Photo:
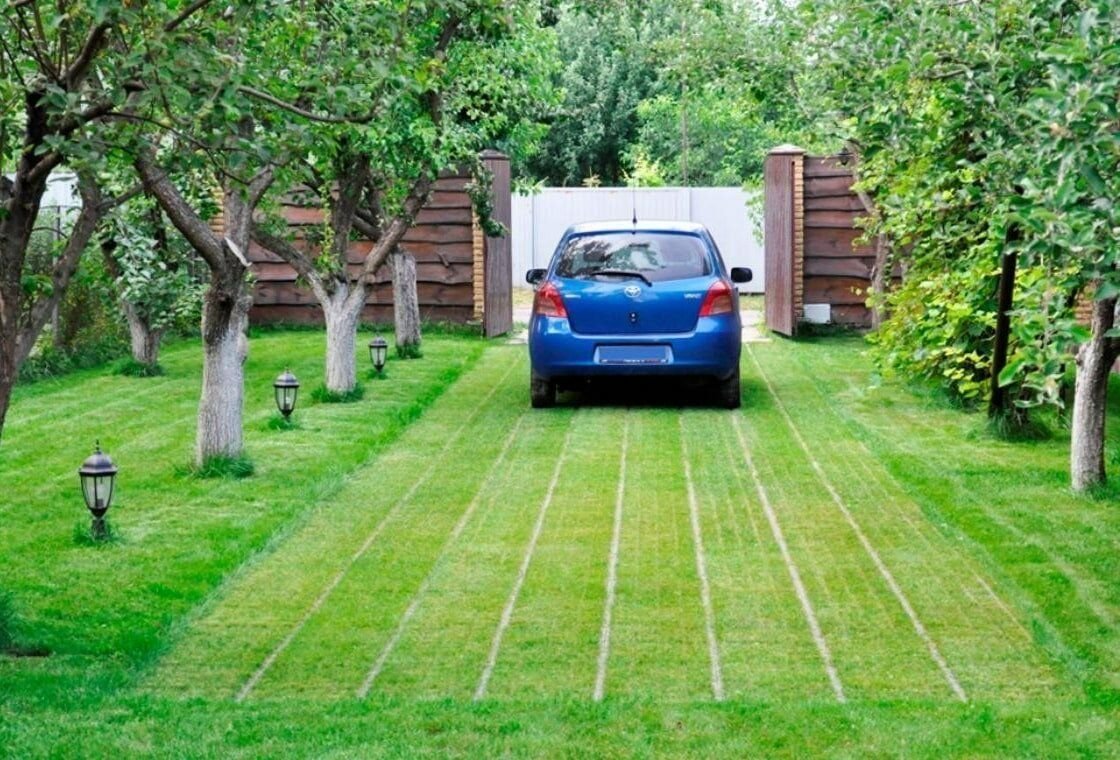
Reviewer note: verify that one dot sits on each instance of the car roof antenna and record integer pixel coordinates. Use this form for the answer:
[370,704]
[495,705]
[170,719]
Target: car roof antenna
[634,206]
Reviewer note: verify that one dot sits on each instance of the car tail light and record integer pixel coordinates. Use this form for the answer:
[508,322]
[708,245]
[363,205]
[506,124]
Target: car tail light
[718,300]
[549,303]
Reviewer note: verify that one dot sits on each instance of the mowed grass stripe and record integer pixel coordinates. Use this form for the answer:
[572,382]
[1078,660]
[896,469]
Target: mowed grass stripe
[612,569]
[435,467]
[770,642]
[258,607]
[880,565]
[871,641]
[331,656]
[552,642]
[946,588]
[422,591]
[446,645]
[702,571]
[658,646]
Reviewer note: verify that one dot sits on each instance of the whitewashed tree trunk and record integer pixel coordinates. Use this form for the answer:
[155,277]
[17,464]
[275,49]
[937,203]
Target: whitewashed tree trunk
[225,349]
[342,331]
[406,305]
[145,339]
[1090,397]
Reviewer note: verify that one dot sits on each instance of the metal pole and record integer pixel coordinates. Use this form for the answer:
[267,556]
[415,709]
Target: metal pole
[998,403]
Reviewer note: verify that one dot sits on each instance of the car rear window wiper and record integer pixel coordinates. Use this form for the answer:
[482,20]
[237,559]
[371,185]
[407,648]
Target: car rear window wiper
[623,273]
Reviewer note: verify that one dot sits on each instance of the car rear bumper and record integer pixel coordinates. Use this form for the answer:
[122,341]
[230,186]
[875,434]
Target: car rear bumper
[711,350]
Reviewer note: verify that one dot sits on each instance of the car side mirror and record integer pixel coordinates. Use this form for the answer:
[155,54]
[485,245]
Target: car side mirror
[741,274]
[534,276]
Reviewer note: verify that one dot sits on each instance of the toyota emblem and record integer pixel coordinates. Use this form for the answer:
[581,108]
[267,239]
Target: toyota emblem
[633,291]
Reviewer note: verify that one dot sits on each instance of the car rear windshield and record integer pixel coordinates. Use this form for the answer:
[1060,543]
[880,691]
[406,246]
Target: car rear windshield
[656,256]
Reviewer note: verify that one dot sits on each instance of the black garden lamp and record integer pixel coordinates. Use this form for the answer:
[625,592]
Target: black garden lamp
[287,388]
[97,475]
[844,156]
[377,350]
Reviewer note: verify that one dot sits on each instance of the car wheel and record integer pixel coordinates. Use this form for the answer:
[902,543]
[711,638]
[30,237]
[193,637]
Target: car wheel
[727,391]
[542,392]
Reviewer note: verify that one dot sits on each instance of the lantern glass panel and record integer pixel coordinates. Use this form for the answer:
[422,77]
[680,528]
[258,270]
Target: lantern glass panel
[98,491]
[286,399]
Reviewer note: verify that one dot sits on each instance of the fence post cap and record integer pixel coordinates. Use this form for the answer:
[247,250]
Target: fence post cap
[786,149]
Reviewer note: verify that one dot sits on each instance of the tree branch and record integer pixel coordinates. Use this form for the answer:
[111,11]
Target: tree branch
[194,228]
[76,72]
[253,92]
[66,264]
[298,260]
[396,229]
[187,12]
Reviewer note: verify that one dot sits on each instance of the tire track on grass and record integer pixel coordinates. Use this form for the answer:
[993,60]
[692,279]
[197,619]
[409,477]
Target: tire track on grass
[612,568]
[422,591]
[884,571]
[791,567]
[507,613]
[702,572]
[327,590]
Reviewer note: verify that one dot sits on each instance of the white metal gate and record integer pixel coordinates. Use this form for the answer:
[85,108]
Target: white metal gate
[729,212]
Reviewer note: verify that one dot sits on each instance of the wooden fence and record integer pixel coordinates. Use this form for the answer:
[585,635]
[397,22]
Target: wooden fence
[814,270]
[462,275]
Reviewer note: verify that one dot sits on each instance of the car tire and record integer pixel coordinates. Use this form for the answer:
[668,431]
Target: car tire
[727,391]
[542,392]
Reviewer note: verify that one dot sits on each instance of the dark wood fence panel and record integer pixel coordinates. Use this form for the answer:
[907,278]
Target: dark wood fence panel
[442,242]
[778,231]
[837,271]
[497,299]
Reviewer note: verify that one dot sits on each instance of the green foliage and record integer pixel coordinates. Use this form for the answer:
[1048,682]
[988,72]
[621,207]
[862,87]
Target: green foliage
[84,536]
[129,367]
[221,467]
[321,394]
[973,122]
[154,269]
[279,422]
[608,69]
[409,351]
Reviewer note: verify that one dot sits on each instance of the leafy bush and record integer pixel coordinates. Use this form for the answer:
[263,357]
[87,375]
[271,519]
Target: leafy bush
[234,468]
[324,396]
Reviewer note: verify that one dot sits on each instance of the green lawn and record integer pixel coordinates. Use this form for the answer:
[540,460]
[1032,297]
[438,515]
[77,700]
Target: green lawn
[437,569]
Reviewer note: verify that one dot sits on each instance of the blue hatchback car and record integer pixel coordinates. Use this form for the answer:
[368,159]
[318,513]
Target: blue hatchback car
[635,298]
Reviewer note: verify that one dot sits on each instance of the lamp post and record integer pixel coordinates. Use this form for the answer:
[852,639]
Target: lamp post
[286,388]
[377,349]
[97,475]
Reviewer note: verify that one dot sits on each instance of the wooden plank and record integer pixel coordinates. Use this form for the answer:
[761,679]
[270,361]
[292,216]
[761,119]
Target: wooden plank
[497,318]
[372,314]
[836,290]
[428,293]
[825,166]
[778,242]
[835,266]
[831,241]
[819,187]
[853,315]
[848,202]
[449,215]
[448,199]
[300,215]
[428,271]
[452,253]
[456,184]
[440,233]
[840,219]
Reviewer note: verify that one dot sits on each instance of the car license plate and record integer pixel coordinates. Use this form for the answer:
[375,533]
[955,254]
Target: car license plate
[633,355]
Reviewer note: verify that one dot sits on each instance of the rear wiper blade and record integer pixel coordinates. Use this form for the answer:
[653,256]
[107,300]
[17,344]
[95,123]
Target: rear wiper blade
[624,273]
